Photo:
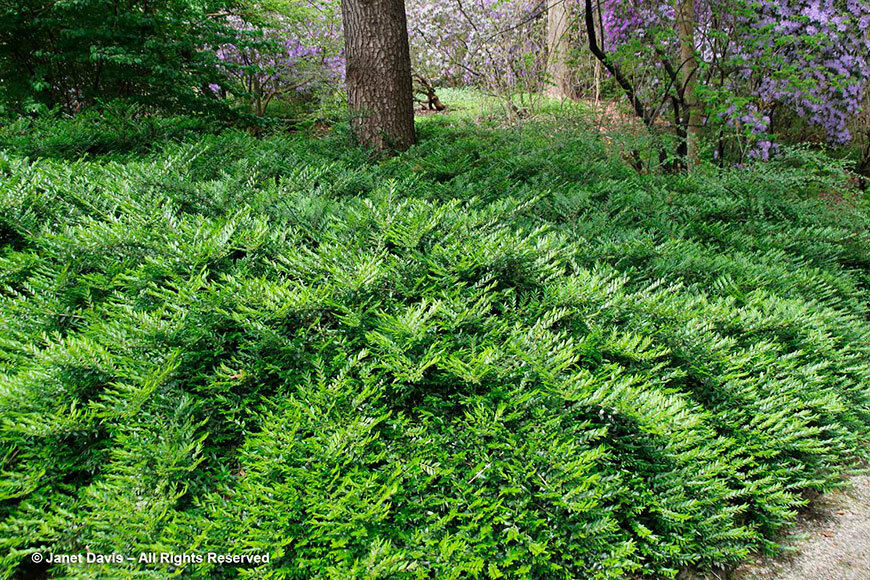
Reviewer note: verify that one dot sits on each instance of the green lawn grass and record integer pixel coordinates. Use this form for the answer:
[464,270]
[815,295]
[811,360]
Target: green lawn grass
[503,353]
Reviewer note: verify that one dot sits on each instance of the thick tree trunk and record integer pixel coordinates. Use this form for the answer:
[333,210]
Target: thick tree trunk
[558,74]
[688,71]
[380,97]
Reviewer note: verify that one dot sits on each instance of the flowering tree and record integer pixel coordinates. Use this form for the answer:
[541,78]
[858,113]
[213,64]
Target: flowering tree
[753,60]
[289,52]
[496,45]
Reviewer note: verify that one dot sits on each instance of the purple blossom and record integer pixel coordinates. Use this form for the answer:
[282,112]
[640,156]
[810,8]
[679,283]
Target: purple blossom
[287,55]
[810,56]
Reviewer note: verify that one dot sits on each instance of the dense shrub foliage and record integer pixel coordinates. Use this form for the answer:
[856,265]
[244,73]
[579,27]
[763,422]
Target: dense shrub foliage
[70,55]
[116,128]
[501,354]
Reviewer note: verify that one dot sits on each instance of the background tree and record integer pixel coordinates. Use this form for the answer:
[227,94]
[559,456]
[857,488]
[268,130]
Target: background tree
[558,73]
[688,71]
[378,69]
[497,46]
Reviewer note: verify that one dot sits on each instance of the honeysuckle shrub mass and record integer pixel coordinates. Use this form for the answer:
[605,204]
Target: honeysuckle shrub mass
[503,354]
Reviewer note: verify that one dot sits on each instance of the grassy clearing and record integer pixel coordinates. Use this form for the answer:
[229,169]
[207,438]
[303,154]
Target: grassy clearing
[502,354]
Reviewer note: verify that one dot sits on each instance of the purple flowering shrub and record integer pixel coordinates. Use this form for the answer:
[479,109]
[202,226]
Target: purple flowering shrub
[816,54]
[287,56]
[759,61]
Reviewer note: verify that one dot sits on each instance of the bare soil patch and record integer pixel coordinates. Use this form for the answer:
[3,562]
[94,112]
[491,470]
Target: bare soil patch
[831,541]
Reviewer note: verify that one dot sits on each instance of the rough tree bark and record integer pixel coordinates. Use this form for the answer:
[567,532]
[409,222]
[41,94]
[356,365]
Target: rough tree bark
[685,13]
[380,96]
[558,75]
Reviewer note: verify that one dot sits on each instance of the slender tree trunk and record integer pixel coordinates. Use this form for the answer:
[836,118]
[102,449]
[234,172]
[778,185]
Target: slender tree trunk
[680,120]
[596,73]
[258,97]
[596,79]
[688,71]
[557,49]
[380,97]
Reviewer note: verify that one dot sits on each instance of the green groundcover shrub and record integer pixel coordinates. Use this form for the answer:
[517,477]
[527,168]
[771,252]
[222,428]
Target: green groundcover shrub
[500,355]
[115,128]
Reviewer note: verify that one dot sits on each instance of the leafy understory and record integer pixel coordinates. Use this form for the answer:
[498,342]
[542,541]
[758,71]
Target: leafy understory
[485,358]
